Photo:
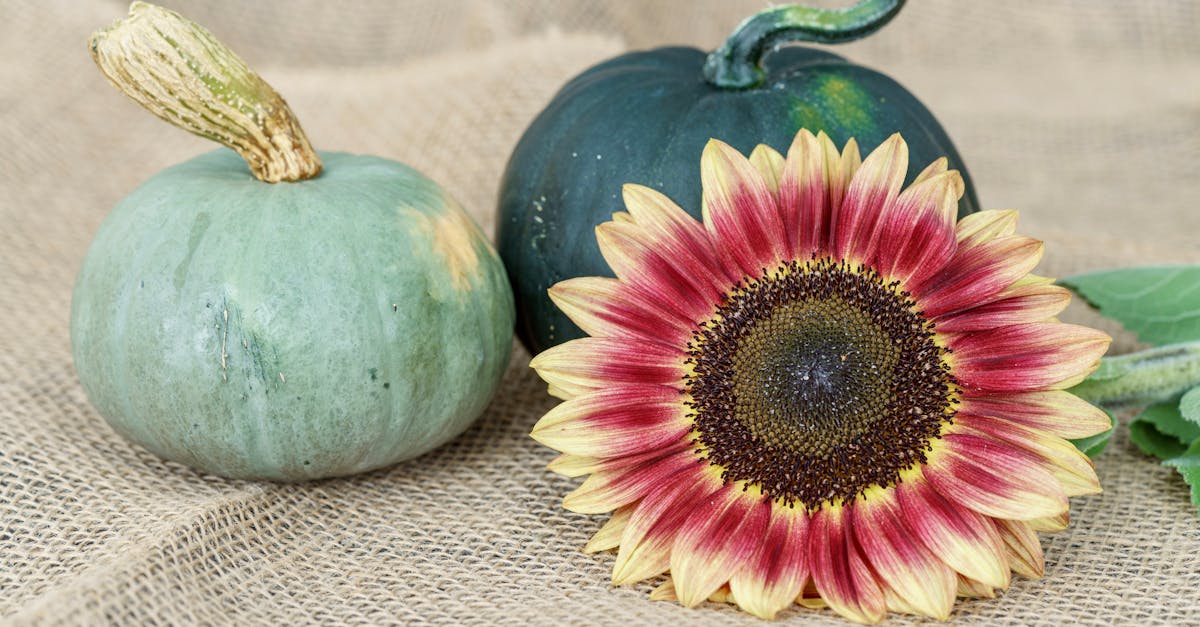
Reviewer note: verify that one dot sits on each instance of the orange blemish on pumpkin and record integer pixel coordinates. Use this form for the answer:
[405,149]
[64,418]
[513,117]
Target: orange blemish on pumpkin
[454,237]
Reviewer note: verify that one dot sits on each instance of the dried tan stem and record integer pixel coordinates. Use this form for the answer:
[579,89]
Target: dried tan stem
[178,71]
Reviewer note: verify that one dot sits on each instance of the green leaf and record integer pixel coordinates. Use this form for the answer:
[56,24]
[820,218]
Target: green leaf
[1160,304]
[1156,431]
[1094,445]
[1171,419]
[1188,465]
[1189,406]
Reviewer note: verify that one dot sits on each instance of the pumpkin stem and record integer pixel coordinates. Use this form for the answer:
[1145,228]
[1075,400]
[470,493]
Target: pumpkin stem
[738,63]
[178,71]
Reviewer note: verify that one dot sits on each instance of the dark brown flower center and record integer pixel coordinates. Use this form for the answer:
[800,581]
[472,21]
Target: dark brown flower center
[816,382]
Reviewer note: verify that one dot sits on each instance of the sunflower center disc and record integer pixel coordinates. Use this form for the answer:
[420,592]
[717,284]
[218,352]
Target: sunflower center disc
[816,382]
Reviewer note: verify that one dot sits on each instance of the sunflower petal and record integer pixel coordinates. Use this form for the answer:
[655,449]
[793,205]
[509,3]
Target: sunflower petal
[1034,356]
[918,228]
[962,538]
[769,164]
[993,478]
[665,591]
[609,535]
[681,239]
[924,584]
[1024,550]
[722,595]
[1051,523]
[622,420]
[839,572]
[739,211]
[984,226]
[569,465]
[970,588]
[895,602]
[939,166]
[976,275]
[717,540]
[875,186]
[810,171]
[594,363]
[775,575]
[1021,303]
[658,270]
[573,465]
[607,490]
[605,307]
[1056,412]
[646,543]
[842,171]
[810,598]
[1072,468]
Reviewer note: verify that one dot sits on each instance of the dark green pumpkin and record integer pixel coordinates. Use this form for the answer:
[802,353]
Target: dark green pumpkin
[644,117]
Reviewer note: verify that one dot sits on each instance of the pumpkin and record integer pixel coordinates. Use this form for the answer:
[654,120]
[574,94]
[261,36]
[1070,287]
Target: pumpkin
[286,331]
[644,117]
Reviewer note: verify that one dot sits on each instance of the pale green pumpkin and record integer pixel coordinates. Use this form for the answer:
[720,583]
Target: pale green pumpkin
[290,331]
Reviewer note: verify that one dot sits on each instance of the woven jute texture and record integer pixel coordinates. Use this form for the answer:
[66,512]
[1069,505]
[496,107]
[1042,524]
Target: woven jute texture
[1085,115]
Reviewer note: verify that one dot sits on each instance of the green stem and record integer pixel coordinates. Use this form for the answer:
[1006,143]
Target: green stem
[738,63]
[1149,376]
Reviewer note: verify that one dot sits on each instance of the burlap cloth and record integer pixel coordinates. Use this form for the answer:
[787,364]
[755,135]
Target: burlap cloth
[1085,115]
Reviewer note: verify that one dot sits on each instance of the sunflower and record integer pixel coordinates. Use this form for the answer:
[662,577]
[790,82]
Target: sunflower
[829,391]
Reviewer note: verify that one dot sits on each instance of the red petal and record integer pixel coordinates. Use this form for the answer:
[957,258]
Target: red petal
[1024,550]
[924,583]
[681,238]
[650,533]
[740,212]
[616,422]
[970,588]
[1068,464]
[875,186]
[993,478]
[1050,523]
[773,578]
[806,193]
[605,307]
[645,265]
[838,175]
[962,538]
[769,164]
[1055,412]
[939,166]
[717,540]
[1020,357]
[839,572]
[594,363]
[976,275]
[917,236]
[1019,304]
[985,225]
[569,465]
[607,490]
[609,535]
